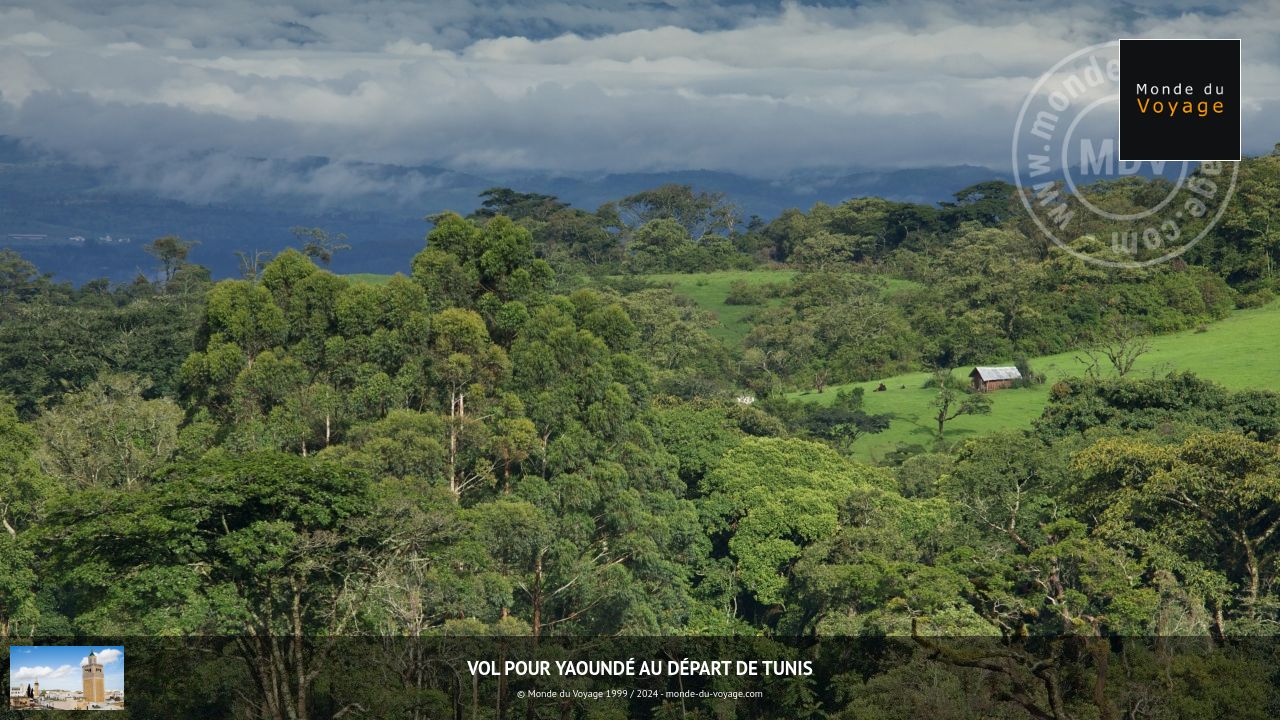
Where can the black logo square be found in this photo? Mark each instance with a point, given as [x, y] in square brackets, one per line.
[1179, 99]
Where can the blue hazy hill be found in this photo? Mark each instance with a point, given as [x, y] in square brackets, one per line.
[250, 204]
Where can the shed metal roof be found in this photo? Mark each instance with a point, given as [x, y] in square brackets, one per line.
[996, 373]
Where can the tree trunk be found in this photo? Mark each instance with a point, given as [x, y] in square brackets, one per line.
[457, 414]
[1251, 567]
[299, 655]
[1100, 648]
[536, 595]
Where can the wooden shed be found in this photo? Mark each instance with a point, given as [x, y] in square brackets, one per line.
[986, 379]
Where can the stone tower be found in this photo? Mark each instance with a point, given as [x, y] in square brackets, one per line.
[93, 679]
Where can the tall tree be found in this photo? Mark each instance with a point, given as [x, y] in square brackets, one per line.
[1212, 502]
[953, 401]
[21, 496]
[517, 205]
[318, 244]
[24, 493]
[109, 435]
[769, 498]
[468, 365]
[171, 251]
[268, 548]
[698, 212]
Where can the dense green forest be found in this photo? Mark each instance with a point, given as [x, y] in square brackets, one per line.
[530, 434]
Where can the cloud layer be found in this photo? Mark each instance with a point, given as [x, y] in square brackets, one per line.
[754, 88]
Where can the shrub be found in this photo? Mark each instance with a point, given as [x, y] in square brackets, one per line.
[1255, 299]
[1030, 378]
[743, 293]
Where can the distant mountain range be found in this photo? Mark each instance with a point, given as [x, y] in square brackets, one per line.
[82, 221]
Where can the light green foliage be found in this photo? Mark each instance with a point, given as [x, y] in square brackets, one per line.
[404, 444]
[676, 338]
[465, 264]
[656, 244]
[877, 573]
[368, 278]
[18, 585]
[836, 327]
[24, 490]
[698, 438]
[772, 497]
[1206, 511]
[1035, 564]
[246, 314]
[108, 435]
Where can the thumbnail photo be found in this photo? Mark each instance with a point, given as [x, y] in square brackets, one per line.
[66, 677]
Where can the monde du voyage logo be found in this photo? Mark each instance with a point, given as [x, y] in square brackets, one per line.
[1165, 110]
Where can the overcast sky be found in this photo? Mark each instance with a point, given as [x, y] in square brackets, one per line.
[758, 88]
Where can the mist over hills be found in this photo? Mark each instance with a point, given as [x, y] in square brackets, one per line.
[83, 221]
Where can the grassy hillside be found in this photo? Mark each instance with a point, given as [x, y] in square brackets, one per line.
[370, 278]
[1238, 352]
[709, 290]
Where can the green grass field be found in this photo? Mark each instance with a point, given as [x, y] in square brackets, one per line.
[1238, 352]
[709, 290]
[369, 278]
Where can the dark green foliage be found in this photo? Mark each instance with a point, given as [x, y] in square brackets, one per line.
[745, 293]
[840, 423]
[171, 251]
[1030, 378]
[517, 205]
[835, 327]
[1077, 406]
[697, 212]
[57, 339]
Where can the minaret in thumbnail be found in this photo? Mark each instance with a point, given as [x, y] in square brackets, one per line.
[93, 679]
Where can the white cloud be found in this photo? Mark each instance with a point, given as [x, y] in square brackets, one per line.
[553, 84]
[42, 673]
[105, 656]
